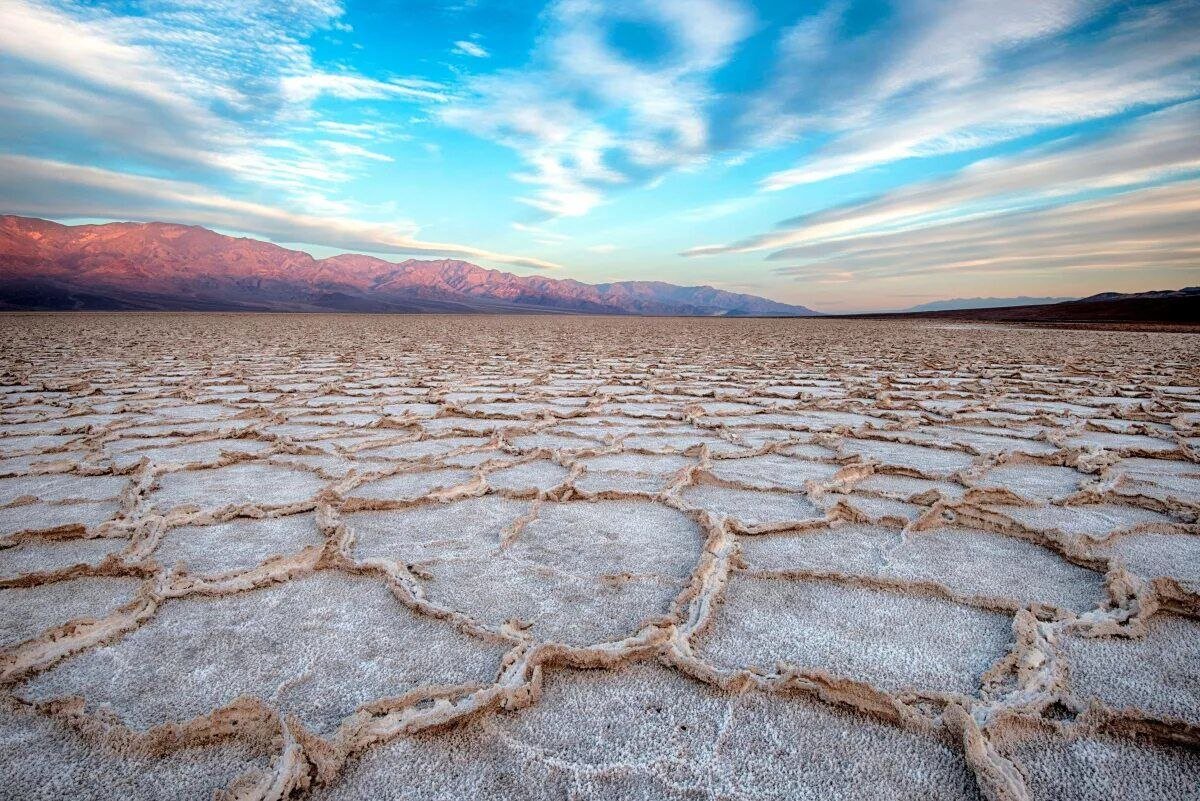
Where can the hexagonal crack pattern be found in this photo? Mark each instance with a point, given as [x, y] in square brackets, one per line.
[267, 557]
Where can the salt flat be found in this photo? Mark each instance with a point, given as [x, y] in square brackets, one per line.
[438, 557]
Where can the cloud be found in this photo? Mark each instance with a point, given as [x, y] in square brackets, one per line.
[57, 189]
[721, 208]
[348, 86]
[1145, 231]
[89, 77]
[348, 149]
[541, 234]
[1157, 147]
[214, 90]
[472, 49]
[587, 115]
[261, 104]
[360, 130]
[939, 78]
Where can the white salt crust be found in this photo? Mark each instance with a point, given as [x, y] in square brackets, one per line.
[369, 557]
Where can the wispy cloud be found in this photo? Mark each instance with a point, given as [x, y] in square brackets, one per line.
[586, 115]
[91, 78]
[1145, 230]
[937, 78]
[174, 91]
[57, 189]
[722, 208]
[464, 47]
[349, 149]
[541, 234]
[347, 86]
[360, 130]
[1159, 147]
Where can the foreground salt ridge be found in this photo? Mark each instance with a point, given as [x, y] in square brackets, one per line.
[893, 442]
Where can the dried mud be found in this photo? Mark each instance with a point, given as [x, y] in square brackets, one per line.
[336, 557]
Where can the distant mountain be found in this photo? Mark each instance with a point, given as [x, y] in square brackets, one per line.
[983, 303]
[161, 266]
[1170, 306]
[1155, 294]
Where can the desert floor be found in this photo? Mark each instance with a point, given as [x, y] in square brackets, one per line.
[355, 557]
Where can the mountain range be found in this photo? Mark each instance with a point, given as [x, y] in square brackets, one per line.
[161, 266]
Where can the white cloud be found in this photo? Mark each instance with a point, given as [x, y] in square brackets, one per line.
[212, 88]
[1149, 232]
[952, 77]
[585, 116]
[1160, 146]
[82, 75]
[360, 130]
[348, 149]
[349, 86]
[1125, 204]
[467, 48]
[966, 35]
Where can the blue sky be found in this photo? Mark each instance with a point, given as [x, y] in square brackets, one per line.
[841, 155]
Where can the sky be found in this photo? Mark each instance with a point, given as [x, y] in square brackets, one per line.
[841, 155]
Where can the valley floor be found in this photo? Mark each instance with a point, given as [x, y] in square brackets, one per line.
[439, 557]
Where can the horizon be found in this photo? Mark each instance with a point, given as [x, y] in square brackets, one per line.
[815, 157]
[943, 303]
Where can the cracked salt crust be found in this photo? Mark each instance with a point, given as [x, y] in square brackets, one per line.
[70, 767]
[45, 516]
[1091, 766]
[295, 644]
[426, 532]
[582, 573]
[891, 640]
[61, 487]
[1167, 682]
[1033, 482]
[540, 476]
[1159, 555]
[752, 507]
[244, 483]
[411, 486]
[48, 556]
[773, 471]
[364, 557]
[29, 611]
[237, 545]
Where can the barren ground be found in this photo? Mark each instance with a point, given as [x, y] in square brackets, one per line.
[344, 557]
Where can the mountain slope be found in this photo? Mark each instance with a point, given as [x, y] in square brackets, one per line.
[1170, 306]
[983, 303]
[46, 265]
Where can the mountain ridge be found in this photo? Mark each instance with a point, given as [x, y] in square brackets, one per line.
[952, 304]
[1177, 307]
[166, 266]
